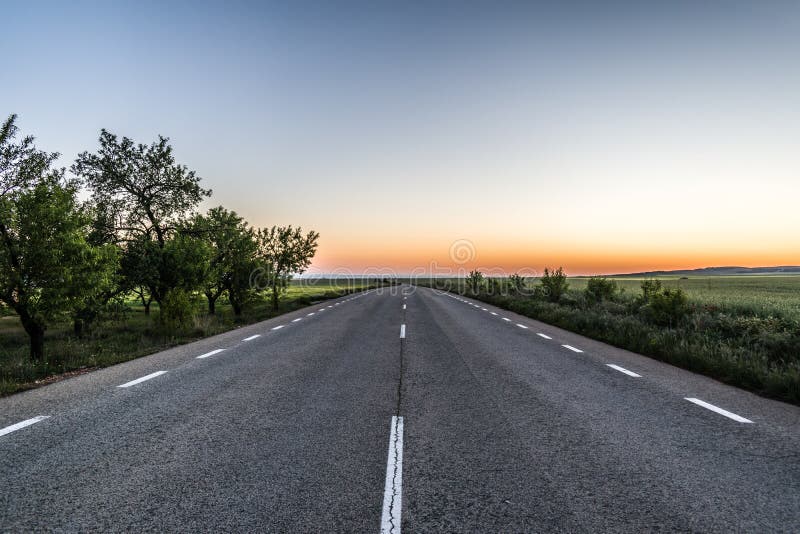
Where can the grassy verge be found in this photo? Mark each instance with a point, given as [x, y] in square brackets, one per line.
[743, 342]
[131, 335]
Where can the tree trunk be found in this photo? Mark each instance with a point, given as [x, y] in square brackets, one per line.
[274, 296]
[237, 307]
[147, 307]
[212, 304]
[35, 332]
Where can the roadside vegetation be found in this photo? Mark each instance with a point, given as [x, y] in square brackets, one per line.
[744, 331]
[113, 259]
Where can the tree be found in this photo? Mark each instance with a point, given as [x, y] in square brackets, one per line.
[46, 260]
[554, 283]
[232, 257]
[142, 197]
[282, 252]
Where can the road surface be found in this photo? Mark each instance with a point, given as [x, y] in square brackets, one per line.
[397, 409]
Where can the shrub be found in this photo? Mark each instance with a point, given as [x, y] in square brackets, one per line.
[517, 282]
[667, 307]
[554, 283]
[599, 289]
[474, 281]
[177, 310]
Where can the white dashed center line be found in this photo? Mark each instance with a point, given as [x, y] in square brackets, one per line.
[142, 379]
[570, 347]
[402, 331]
[207, 354]
[726, 413]
[404, 306]
[493, 313]
[309, 314]
[23, 424]
[543, 335]
[522, 326]
[393, 489]
[506, 319]
[623, 370]
[251, 338]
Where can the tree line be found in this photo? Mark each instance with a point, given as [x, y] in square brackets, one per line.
[138, 233]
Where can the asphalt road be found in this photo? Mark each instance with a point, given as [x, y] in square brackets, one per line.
[397, 409]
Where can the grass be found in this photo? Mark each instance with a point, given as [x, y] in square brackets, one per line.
[133, 334]
[742, 330]
[758, 295]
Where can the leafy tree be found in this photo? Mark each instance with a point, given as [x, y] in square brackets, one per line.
[554, 284]
[284, 251]
[232, 258]
[142, 197]
[474, 281]
[47, 266]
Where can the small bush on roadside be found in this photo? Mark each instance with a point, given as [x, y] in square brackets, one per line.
[554, 283]
[475, 281]
[177, 310]
[599, 289]
[667, 307]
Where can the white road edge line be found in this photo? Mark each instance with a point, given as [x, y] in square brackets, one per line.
[402, 331]
[719, 410]
[522, 326]
[142, 379]
[623, 370]
[207, 354]
[543, 335]
[570, 347]
[251, 338]
[393, 489]
[28, 422]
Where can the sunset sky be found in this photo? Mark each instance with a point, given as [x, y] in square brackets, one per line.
[604, 137]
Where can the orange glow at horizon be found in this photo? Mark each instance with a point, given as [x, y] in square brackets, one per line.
[434, 256]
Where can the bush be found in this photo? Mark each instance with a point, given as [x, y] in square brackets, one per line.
[554, 284]
[667, 307]
[599, 289]
[474, 281]
[177, 310]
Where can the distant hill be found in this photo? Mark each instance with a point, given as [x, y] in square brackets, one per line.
[721, 271]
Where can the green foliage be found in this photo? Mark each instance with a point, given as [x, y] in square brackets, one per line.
[474, 281]
[517, 282]
[599, 289]
[282, 252]
[554, 284]
[650, 287]
[667, 307]
[142, 196]
[177, 310]
[47, 267]
[232, 260]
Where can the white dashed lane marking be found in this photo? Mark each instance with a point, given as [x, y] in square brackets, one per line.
[22, 424]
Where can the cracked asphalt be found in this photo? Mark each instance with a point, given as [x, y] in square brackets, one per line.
[503, 430]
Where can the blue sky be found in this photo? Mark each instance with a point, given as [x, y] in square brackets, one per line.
[603, 136]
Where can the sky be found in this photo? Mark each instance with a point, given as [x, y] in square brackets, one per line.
[441, 136]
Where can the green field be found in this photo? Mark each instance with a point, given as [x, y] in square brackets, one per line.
[761, 294]
[132, 334]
